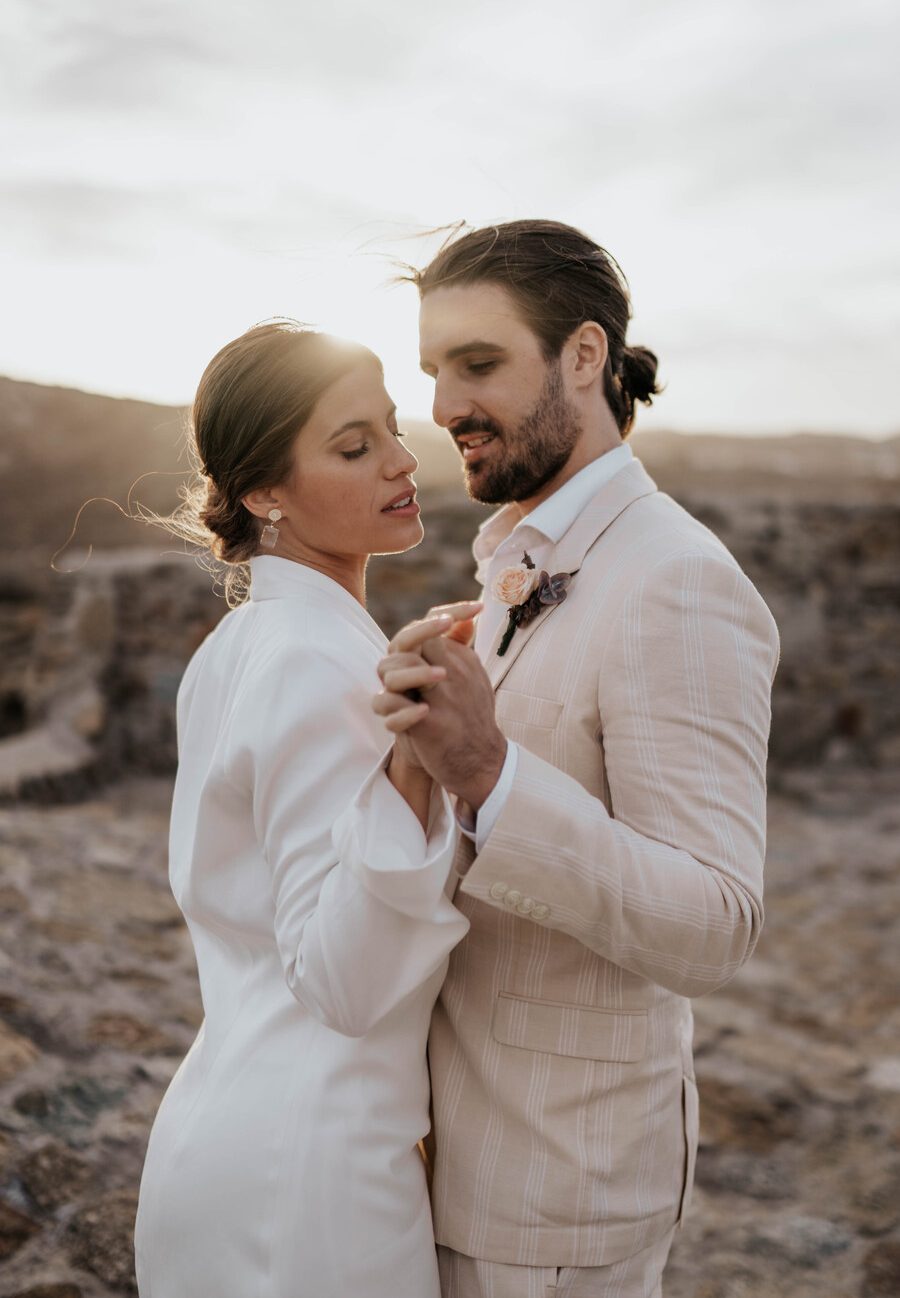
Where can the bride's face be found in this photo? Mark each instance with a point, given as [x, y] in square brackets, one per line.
[351, 491]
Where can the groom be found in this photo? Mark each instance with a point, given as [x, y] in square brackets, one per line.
[607, 745]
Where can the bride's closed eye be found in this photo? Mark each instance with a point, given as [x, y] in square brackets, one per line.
[361, 450]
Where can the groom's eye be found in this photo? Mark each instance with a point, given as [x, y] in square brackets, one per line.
[481, 367]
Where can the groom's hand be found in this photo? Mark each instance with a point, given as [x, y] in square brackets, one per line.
[457, 739]
[463, 615]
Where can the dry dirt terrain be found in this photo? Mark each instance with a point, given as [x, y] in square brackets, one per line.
[798, 1182]
[798, 1059]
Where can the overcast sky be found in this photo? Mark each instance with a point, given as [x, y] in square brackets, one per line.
[172, 172]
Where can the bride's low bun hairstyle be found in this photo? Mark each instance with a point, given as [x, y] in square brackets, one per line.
[252, 401]
[234, 529]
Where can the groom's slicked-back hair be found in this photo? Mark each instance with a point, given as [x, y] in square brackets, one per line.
[559, 279]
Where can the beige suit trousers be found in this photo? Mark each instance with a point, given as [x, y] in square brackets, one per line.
[639, 1276]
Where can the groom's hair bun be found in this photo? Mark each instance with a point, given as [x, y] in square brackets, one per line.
[639, 373]
[559, 279]
[253, 399]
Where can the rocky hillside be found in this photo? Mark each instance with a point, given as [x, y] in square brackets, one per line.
[798, 1177]
[90, 661]
[60, 448]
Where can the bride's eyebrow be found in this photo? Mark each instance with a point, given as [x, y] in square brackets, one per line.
[353, 424]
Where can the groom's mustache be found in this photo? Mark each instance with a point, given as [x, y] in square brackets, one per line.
[473, 425]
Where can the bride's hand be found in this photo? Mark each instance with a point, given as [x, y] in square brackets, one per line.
[406, 676]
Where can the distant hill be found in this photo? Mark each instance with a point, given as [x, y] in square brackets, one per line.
[820, 467]
[59, 447]
[813, 520]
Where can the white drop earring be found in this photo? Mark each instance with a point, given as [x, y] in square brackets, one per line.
[269, 535]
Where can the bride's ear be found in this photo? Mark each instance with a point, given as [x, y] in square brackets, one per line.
[260, 501]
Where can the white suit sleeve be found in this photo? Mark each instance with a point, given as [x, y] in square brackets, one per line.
[360, 913]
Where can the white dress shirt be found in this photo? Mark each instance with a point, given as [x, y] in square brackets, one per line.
[537, 534]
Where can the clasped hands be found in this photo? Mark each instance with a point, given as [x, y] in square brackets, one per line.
[438, 702]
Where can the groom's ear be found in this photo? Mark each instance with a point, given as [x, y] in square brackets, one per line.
[587, 349]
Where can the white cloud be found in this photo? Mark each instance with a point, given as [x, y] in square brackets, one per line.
[195, 167]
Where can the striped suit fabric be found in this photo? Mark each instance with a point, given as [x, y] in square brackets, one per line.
[622, 877]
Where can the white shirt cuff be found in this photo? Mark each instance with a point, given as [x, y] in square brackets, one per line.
[489, 812]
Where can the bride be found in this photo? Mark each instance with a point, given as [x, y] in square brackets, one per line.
[310, 864]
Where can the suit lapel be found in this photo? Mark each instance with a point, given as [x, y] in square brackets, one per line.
[496, 666]
[628, 485]
[613, 498]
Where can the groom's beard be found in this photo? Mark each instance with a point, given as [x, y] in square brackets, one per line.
[521, 464]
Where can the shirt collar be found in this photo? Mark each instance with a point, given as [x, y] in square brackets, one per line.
[272, 577]
[554, 516]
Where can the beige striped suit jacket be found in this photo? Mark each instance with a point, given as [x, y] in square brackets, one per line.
[623, 876]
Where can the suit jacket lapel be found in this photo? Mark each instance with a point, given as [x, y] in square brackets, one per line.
[613, 498]
[628, 485]
[496, 666]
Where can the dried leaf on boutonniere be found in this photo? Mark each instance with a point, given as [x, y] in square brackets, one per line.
[540, 592]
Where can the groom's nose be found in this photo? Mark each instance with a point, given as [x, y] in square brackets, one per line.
[450, 403]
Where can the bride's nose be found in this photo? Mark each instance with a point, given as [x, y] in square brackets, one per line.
[401, 461]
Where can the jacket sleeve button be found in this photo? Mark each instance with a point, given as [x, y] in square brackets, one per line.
[498, 891]
[525, 906]
[513, 897]
[541, 911]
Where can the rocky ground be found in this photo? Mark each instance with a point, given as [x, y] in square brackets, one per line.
[798, 1182]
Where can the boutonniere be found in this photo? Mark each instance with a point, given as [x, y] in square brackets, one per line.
[528, 592]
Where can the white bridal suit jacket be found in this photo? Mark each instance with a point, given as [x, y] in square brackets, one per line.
[283, 1160]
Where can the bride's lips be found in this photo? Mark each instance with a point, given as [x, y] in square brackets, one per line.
[403, 506]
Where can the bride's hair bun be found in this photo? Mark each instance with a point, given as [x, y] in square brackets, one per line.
[234, 528]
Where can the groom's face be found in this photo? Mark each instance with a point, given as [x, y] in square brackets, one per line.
[503, 404]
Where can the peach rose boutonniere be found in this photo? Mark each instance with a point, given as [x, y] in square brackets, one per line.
[529, 593]
[513, 585]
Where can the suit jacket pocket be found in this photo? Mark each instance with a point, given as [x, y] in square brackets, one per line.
[527, 709]
[578, 1031]
[691, 1116]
